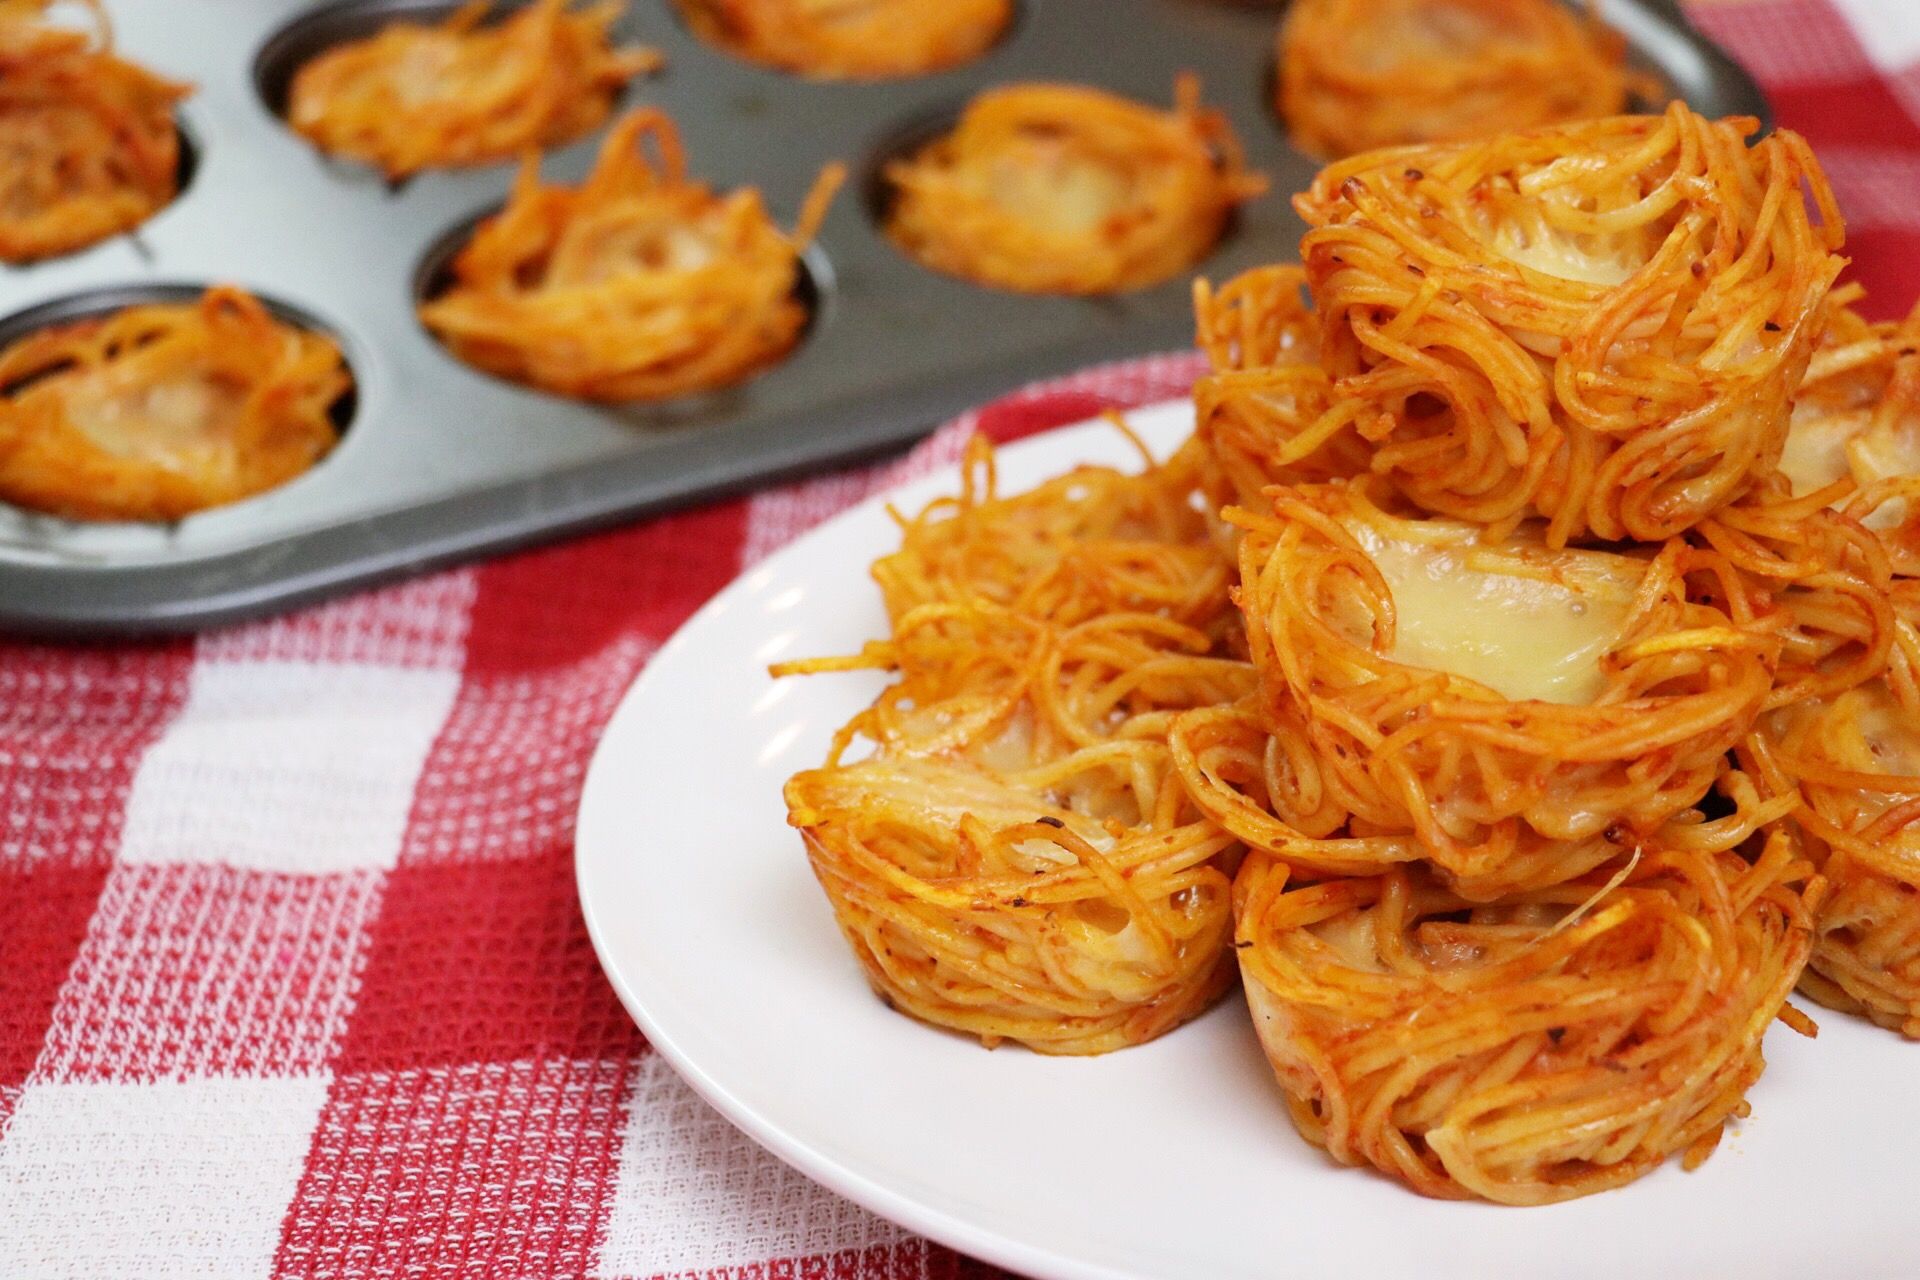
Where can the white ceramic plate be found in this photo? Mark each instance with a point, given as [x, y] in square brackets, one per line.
[1174, 1159]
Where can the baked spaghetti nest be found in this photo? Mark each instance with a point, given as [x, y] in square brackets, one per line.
[1014, 856]
[1512, 713]
[1054, 188]
[1266, 414]
[89, 138]
[161, 410]
[1354, 75]
[1855, 430]
[1600, 323]
[1563, 1041]
[639, 284]
[1845, 743]
[471, 90]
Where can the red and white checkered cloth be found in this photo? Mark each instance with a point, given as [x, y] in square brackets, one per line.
[293, 981]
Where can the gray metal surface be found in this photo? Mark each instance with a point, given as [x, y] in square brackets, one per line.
[442, 462]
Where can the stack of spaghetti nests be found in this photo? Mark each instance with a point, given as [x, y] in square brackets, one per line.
[1555, 731]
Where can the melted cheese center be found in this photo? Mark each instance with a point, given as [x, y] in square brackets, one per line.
[1824, 446]
[1884, 452]
[1538, 246]
[1565, 258]
[1816, 450]
[1891, 737]
[631, 240]
[420, 76]
[938, 793]
[1865, 730]
[1538, 227]
[436, 69]
[1529, 623]
[175, 421]
[1047, 184]
[1407, 34]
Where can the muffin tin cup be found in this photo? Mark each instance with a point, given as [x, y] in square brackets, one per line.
[444, 462]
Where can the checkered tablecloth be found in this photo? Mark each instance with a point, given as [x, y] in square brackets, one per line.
[293, 981]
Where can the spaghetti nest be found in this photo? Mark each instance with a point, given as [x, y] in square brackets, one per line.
[1563, 1041]
[851, 39]
[1512, 713]
[89, 138]
[1852, 756]
[1083, 545]
[1354, 75]
[1265, 412]
[639, 284]
[1015, 858]
[157, 411]
[1601, 323]
[1818, 578]
[1856, 418]
[467, 91]
[1049, 188]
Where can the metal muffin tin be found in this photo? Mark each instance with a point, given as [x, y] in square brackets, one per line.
[441, 462]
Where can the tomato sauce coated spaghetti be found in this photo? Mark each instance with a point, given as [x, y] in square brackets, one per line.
[1852, 759]
[161, 410]
[466, 91]
[89, 138]
[1845, 743]
[1055, 188]
[1476, 705]
[639, 284]
[1014, 857]
[1855, 430]
[1600, 323]
[1354, 75]
[1563, 1041]
[1266, 413]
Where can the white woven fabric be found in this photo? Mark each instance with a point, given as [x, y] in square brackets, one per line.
[695, 1194]
[325, 754]
[152, 1181]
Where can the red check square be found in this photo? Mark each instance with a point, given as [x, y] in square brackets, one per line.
[482, 962]
[477, 1169]
[553, 606]
[44, 911]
